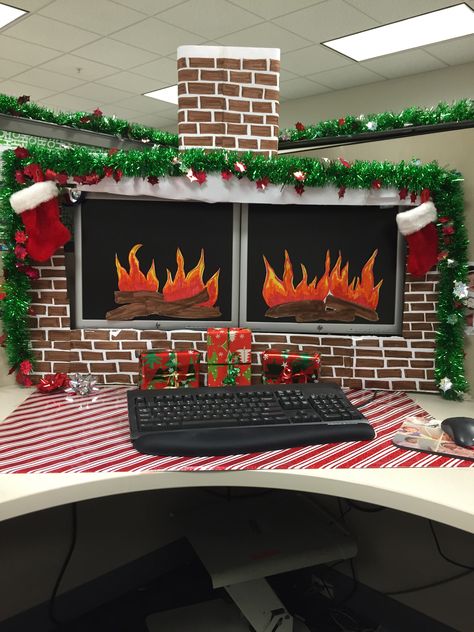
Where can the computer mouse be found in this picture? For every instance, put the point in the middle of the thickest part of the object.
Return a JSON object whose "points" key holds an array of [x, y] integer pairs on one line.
{"points": [[460, 429]]}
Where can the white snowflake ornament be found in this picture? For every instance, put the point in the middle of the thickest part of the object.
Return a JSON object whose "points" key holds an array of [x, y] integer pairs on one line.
{"points": [[445, 384], [460, 290]]}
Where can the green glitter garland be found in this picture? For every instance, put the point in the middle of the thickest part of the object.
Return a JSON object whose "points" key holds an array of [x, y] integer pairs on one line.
{"points": [[462, 110], [86, 120], [444, 186]]}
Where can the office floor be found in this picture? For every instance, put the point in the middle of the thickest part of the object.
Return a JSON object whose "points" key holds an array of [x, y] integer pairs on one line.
{"points": [[192, 584]]}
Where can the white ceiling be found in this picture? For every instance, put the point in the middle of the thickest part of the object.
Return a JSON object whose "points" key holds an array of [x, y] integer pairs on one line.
{"points": [[82, 54]]}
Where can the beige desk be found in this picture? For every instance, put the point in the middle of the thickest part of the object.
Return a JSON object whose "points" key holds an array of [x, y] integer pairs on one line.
{"points": [[444, 494]]}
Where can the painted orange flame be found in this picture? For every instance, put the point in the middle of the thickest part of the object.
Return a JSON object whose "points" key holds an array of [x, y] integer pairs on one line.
{"points": [[135, 280], [336, 282], [185, 285]]}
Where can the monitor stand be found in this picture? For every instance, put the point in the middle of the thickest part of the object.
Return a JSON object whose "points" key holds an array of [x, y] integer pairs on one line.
{"points": [[244, 540]]}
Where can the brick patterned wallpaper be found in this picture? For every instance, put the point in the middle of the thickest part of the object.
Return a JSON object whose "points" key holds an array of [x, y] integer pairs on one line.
{"points": [[385, 362], [228, 101]]}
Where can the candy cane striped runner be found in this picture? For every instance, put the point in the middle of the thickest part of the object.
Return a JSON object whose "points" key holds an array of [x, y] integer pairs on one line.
{"points": [[69, 433]]}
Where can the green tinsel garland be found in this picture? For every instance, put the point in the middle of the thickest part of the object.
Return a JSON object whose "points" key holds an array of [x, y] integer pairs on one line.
{"points": [[90, 121], [445, 188], [462, 110]]}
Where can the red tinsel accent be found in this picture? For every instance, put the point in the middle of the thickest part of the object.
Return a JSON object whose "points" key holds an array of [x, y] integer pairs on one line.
{"points": [[21, 153], [299, 126], [442, 255], [444, 219], [344, 162], [377, 184], [53, 382], [341, 121], [85, 119]]}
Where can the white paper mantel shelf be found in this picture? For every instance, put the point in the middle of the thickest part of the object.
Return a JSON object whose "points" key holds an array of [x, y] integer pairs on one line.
{"points": [[243, 191]]}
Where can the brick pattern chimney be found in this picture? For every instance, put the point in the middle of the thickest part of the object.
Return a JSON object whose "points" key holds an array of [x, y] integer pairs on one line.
{"points": [[228, 97]]}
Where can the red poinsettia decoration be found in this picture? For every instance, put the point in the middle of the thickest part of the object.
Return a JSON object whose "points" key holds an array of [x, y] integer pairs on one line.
{"points": [[425, 195], [118, 173], [153, 180], [413, 197], [377, 184], [344, 162], [300, 127], [97, 113], [341, 193], [23, 99], [108, 172], [20, 237], [341, 121], [442, 255], [111, 152], [196, 176], [20, 252], [20, 176], [299, 188], [3, 295], [402, 194], [26, 367], [262, 183], [300, 176], [448, 229], [34, 171], [240, 167], [226, 174]]}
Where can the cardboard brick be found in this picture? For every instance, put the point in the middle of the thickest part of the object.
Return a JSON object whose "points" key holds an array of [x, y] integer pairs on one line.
{"points": [[201, 88], [213, 75], [201, 62], [233, 64], [199, 116], [228, 89]]}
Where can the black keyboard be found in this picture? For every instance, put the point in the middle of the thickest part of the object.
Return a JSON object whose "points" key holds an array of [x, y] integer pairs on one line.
{"points": [[241, 419]]}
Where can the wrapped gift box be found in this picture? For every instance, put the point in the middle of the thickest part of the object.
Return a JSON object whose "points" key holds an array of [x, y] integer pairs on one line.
{"points": [[229, 356], [289, 367], [164, 368]]}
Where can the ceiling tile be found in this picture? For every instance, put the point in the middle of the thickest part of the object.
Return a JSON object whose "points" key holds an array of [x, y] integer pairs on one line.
{"points": [[114, 53], [11, 68], [402, 64], [299, 88], [69, 103], [16, 89], [326, 20], [24, 52], [120, 112], [79, 67], [266, 35], [30, 5], [385, 11], [457, 51], [102, 94], [147, 105], [215, 19], [164, 69], [133, 82], [346, 77], [312, 59], [150, 7], [99, 17], [270, 9], [156, 36], [40, 30], [160, 121], [45, 78]]}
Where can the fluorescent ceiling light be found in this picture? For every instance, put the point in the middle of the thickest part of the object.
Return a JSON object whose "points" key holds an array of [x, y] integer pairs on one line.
{"points": [[169, 94], [421, 30], [9, 14]]}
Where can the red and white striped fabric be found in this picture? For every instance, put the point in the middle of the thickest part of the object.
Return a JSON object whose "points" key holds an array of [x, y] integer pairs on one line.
{"points": [[61, 433]]}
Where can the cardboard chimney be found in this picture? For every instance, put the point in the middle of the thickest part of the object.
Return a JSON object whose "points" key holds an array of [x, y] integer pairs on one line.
{"points": [[228, 97]]}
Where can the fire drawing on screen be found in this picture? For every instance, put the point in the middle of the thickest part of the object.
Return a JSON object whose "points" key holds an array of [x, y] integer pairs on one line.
{"points": [[185, 295], [330, 298]]}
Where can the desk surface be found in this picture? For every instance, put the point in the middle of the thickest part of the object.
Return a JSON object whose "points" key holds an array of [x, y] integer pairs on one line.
{"points": [[442, 494]]}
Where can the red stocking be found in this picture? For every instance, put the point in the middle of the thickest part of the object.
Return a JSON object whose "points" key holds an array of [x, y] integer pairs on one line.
{"points": [[417, 225], [39, 209]]}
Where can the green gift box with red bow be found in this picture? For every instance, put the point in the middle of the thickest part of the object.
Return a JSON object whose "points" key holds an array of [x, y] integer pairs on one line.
{"points": [[165, 368], [289, 367], [229, 356]]}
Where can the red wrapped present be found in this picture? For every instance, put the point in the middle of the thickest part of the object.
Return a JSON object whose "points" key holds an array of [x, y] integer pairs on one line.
{"points": [[164, 368], [229, 356], [287, 367]]}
